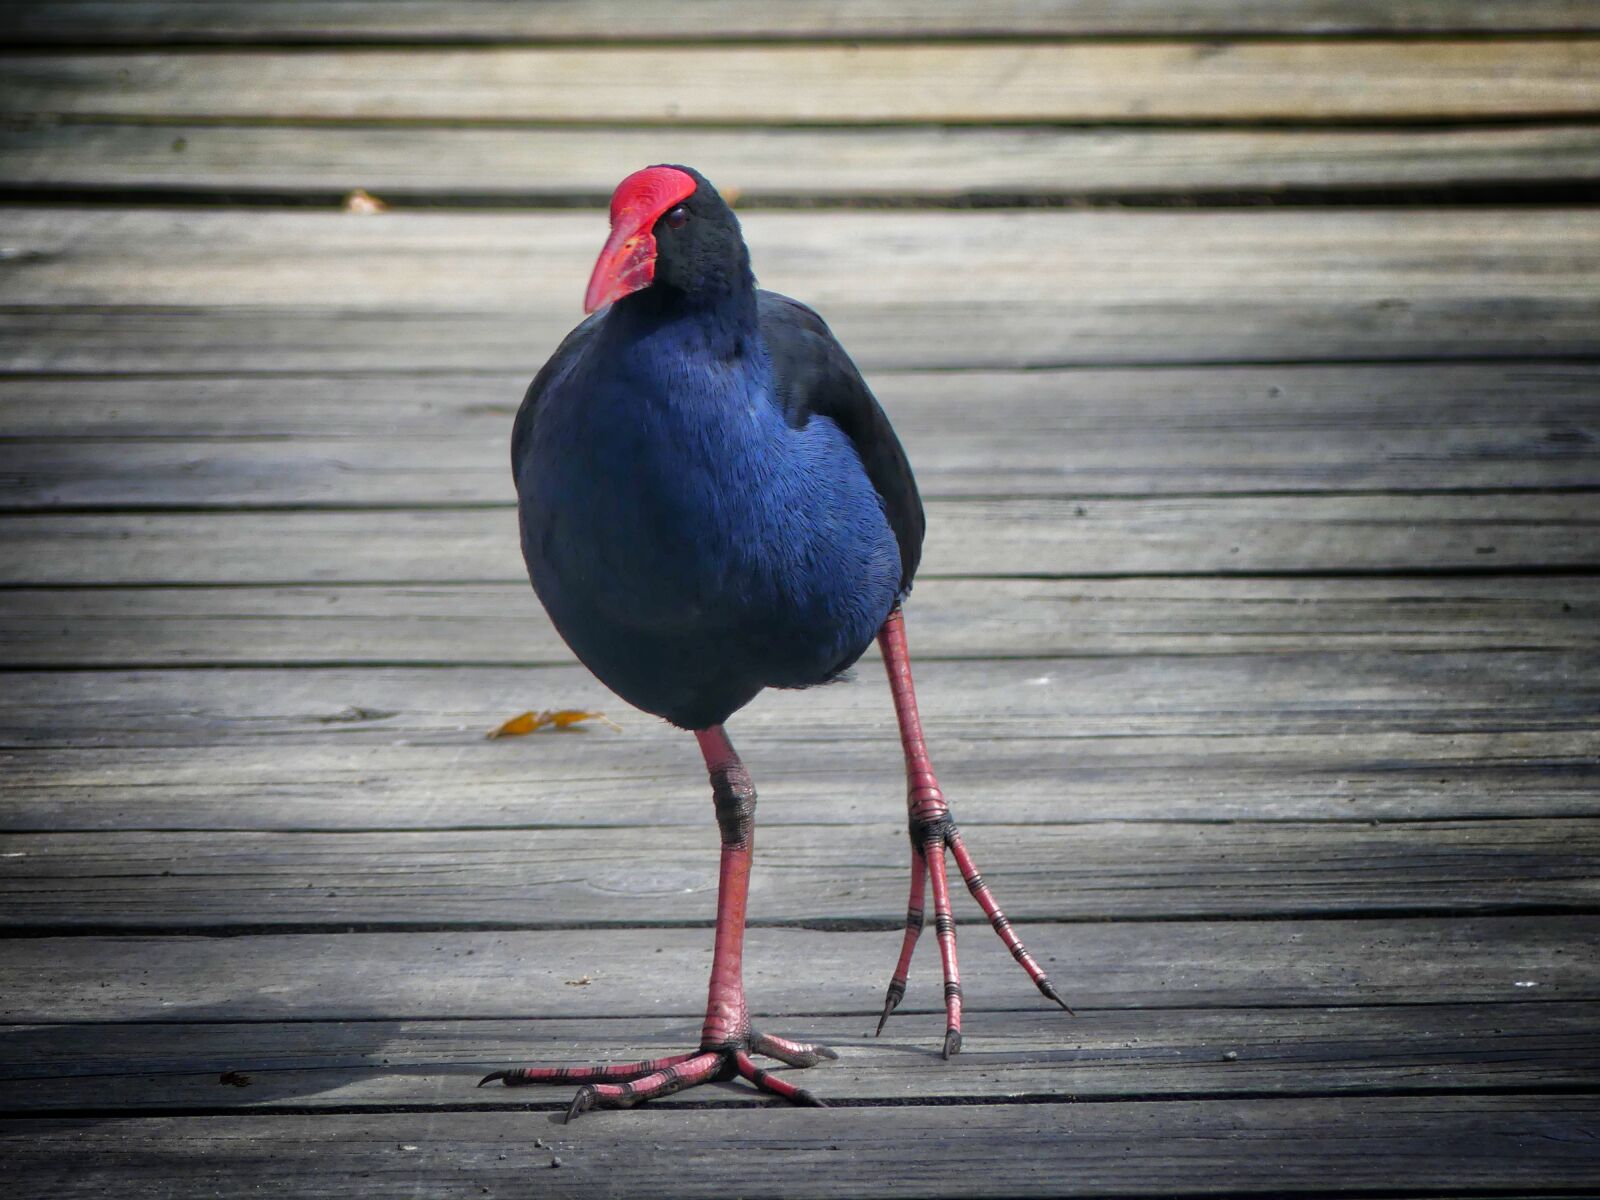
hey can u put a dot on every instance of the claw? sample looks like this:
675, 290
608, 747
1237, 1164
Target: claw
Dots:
493, 1075
585, 1100
952, 1043
1049, 989
891, 1001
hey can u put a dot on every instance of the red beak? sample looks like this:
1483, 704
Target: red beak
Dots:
628, 262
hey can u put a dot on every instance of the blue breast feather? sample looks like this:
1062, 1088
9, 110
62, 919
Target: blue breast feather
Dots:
690, 545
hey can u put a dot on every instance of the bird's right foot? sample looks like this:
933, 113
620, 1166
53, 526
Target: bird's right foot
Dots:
622, 1085
932, 833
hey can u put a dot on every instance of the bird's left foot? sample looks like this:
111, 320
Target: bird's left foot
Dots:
622, 1085
931, 837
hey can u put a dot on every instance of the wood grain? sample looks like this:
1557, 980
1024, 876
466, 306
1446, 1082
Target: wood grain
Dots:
1328, 79
1296, 1146
1025, 537
195, 291
1257, 648
181, 22
1009, 1055
560, 878
1150, 695
1370, 770
1332, 737
444, 262
780, 165
660, 972
468, 624
421, 440
1505, 409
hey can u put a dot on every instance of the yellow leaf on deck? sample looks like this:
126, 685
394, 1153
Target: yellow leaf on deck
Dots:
560, 718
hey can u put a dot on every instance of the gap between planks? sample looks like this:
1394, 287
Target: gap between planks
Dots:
449, 22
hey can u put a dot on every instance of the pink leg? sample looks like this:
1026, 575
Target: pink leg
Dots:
932, 832
726, 1039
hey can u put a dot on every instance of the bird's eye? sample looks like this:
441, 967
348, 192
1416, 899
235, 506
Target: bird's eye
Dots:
677, 218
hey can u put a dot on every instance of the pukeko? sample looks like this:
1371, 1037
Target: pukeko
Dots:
713, 503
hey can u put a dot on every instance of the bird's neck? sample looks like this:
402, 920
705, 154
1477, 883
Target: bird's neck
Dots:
720, 322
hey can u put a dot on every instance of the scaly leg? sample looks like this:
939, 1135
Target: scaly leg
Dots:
932, 832
726, 1039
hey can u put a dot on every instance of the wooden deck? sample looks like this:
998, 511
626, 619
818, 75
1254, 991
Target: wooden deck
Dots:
1248, 352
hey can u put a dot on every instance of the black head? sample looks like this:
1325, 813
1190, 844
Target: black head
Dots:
671, 232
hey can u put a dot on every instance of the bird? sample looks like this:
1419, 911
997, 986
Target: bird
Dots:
712, 502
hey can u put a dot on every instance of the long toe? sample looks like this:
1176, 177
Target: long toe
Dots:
600, 1073
998, 920
769, 1082
795, 1054
694, 1070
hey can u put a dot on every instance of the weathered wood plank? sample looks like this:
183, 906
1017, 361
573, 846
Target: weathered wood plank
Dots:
1006, 458
560, 878
853, 84
418, 440
1380, 737
1182, 536
1140, 431
1295, 326
1147, 696
85, 290
1295, 1147
777, 164
1510, 408
1010, 1055
480, 262
661, 972
952, 618
1369, 772
92, 22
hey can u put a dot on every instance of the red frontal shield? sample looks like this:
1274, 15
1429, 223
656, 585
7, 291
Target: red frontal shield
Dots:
628, 261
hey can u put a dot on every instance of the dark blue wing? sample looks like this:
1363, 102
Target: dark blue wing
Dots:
815, 376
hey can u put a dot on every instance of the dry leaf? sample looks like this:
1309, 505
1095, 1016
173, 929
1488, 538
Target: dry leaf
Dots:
580, 981
363, 203
562, 718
